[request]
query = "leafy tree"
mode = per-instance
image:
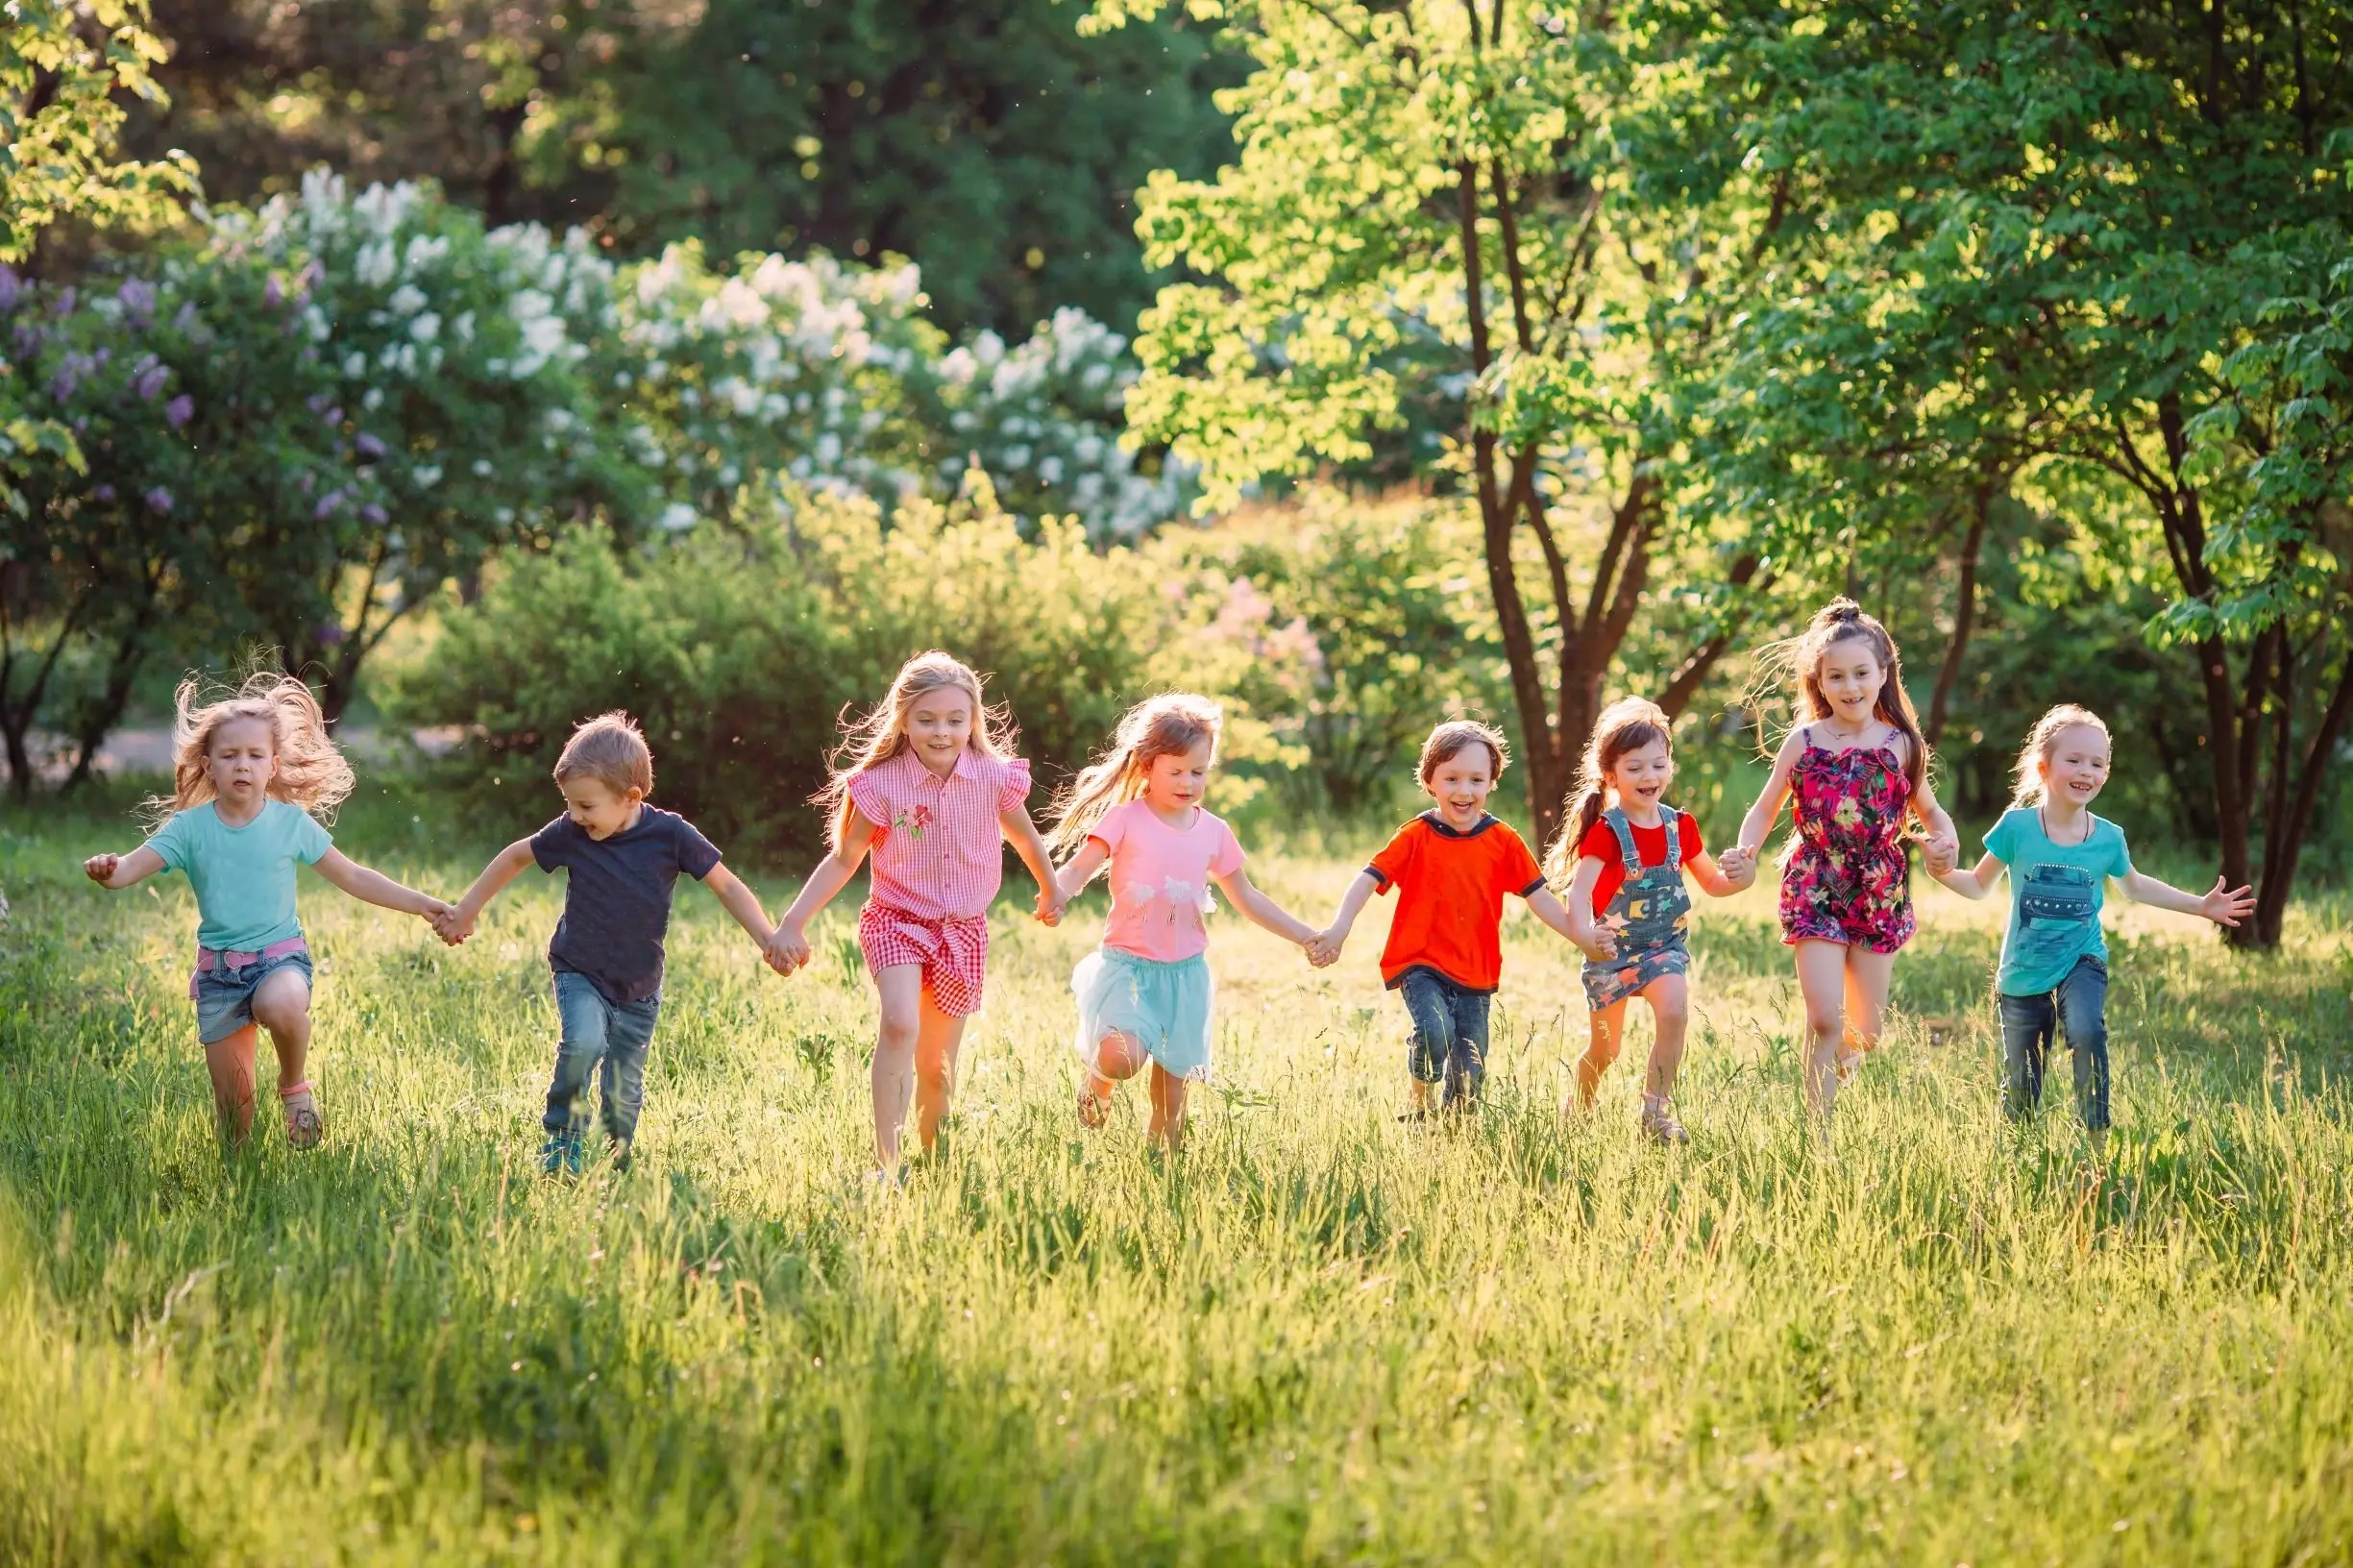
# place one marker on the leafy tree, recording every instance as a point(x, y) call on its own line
point(1435, 199)
point(62, 66)
point(2100, 213)
point(985, 139)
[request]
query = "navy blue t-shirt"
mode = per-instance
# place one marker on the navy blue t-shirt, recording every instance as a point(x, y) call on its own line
point(617, 899)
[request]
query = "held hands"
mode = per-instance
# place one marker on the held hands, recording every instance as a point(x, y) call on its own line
point(1050, 905)
point(1323, 948)
point(2227, 906)
point(1599, 942)
point(1943, 851)
point(1738, 864)
point(450, 921)
point(787, 950)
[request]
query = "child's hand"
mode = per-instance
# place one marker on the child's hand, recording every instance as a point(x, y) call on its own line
point(1738, 864)
point(2227, 906)
point(1050, 906)
point(450, 923)
point(1942, 855)
point(787, 950)
point(100, 869)
point(1599, 944)
point(1323, 950)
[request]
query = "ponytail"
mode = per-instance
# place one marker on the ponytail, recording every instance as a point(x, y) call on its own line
point(1628, 725)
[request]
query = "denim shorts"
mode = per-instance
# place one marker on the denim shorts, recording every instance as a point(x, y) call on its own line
point(225, 997)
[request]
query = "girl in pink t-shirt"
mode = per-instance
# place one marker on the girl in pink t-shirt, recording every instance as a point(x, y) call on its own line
point(933, 790)
point(1147, 996)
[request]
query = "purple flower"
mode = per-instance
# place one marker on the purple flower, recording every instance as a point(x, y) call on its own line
point(104, 492)
point(11, 286)
point(137, 298)
point(64, 305)
point(312, 275)
point(158, 499)
point(375, 514)
point(62, 385)
point(327, 503)
point(151, 383)
point(368, 446)
point(333, 417)
point(305, 483)
point(185, 317)
point(271, 294)
point(316, 402)
point(178, 410)
point(328, 632)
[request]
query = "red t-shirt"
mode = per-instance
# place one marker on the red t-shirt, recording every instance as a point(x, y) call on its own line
point(1650, 842)
point(1451, 888)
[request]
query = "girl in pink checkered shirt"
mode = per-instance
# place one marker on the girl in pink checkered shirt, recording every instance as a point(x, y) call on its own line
point(932, 789)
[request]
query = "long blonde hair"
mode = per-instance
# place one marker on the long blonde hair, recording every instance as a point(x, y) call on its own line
point(882, 734)
point(1798, 660)
point(1168, 725)
point(1628, 725)
point(312, 773)
point(2027, 786)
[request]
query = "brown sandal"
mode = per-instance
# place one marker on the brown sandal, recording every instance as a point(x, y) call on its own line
point(304, 1129)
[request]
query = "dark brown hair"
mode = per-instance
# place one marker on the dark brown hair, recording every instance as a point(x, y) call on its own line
point(1840, 621)
point(1628, 725)
point(1459, 735)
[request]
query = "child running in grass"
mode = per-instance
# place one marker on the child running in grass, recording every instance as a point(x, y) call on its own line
point(254, 776)
point(2054, 962)
point(1452, 866)
point(931, 787)
point(621, 858)
point(1624, 850)
point(1858, 767)
point(1146, 996)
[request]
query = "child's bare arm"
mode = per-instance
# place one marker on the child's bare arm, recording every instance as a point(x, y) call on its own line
point(371, 887)
point(741, 902)
point(788, 946)
point(1593, 940)
point(1080, 868)
point(1975, 882)
point(123, 870)
point(1717, 882)
point(504, 867)
point(1027, 842)
point(1360, 889)
point(1943, 843)
point(1759, 820)
point(1547, 908)
point(2222, 904)
point(1263, 911)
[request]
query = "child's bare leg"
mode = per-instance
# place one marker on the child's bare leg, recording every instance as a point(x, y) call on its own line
point(1868, 974)
point(938, 1038)
point(1167, 1109)
point(1670, 999)
point(899, 989)
point(1118, 1056)
point(230, 1060)
point(1608, 1026)
point(1822, 979)
point(281, 1005)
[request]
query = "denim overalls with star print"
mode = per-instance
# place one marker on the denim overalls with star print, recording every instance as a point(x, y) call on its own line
point(1648, 917)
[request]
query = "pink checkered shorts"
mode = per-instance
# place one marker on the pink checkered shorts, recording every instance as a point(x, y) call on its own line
point(954, 952)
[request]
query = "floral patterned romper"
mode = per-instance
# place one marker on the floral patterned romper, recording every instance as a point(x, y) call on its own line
point(1848, 879)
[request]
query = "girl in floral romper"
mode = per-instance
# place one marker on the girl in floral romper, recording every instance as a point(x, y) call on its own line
point(1857, 766)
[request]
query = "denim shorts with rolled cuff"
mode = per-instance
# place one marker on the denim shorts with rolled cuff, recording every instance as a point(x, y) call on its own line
point(224, 996)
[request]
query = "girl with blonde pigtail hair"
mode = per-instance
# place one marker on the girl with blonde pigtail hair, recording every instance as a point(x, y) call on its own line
point(254, 778)
point(928, 783)
point(1857, 766)
point(1146, 996)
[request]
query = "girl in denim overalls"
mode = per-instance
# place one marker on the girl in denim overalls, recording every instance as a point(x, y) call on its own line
point(1628, 905)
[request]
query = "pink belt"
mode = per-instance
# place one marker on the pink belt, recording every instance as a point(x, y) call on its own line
point(207, 958)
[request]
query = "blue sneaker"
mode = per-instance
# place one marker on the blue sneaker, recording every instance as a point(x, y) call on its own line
point(560, 1155)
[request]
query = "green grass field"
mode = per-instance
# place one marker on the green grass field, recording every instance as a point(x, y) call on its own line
point(1318, 1334)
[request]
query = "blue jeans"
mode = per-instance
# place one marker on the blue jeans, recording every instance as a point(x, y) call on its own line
point(597, 1034)
point(2079, 1007)
point(1449, 1032)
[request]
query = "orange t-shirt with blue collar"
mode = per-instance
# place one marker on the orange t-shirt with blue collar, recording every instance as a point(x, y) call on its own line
point(1451, 885)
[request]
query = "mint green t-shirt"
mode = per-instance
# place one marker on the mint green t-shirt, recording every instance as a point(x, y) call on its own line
point(243, 876)
point(2056, 893)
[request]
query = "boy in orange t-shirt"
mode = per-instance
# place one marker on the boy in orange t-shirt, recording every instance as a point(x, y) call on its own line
point(1453, 865)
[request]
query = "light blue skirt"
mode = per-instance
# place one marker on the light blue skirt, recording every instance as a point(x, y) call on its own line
point(1164, 1007)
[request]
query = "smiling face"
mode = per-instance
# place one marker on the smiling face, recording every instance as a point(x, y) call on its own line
point(939, 726)
point(2074, 767)
point(1175, 781)
point(1640, 777)
point(596, 807)
point(241, 759)
point(1849, 676)
point(1460, 785)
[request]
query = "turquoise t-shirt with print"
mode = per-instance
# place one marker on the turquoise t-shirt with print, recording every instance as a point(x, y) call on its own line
point(2056, 893)
point(243, 876)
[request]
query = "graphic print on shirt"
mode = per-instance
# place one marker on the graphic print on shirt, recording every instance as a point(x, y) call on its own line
point(1180, 904)
point(2053, 902)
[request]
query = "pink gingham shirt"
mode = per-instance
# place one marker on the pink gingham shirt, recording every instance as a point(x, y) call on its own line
point(939, 854)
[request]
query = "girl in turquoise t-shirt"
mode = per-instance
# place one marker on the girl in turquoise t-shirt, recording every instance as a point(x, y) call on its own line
point(2054, 965)
point(251, 776)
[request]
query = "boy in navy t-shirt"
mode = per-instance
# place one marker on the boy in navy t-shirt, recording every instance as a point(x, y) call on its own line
point(622, 857)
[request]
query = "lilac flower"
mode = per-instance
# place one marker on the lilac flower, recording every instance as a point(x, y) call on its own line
point(271, 294)
point(333, 417)
point(178, 410)
point(151, 381)
point(375, 514)
point(11, 286)
point(312, 275)
point(185, 317)
point(158, 499)
point(104, 492)
point(328, 632)
point(316, 402)
point(370, 447)
point(303, 483)
point(62, 385)
point(327, 503)
point(137, 298)
point(65, 305)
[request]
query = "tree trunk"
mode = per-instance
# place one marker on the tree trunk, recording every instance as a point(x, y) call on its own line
point(1964, 616)
point(2291, 817)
